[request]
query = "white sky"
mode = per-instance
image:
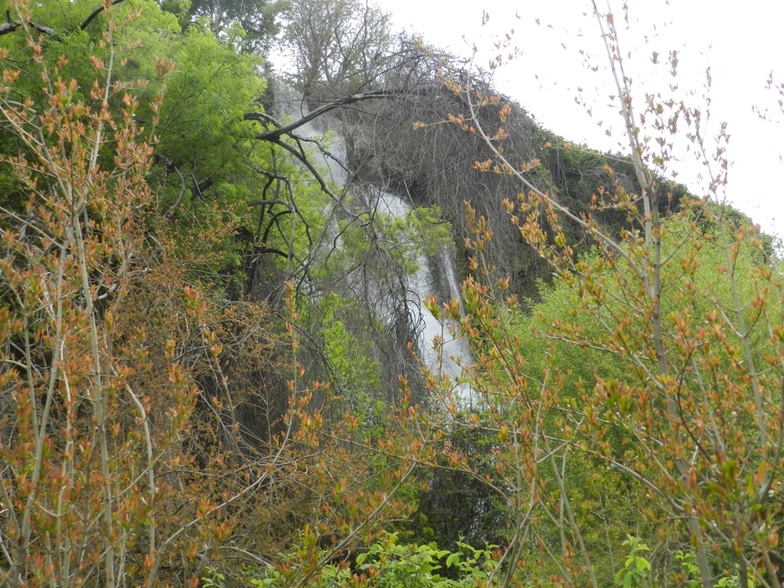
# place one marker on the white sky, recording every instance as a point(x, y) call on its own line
point(741, 42)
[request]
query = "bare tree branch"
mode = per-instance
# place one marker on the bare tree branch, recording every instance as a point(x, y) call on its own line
point(95, 13)
point(343, 101)
point(12, 25)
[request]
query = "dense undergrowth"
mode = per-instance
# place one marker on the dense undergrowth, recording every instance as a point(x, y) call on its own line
point(210, 374)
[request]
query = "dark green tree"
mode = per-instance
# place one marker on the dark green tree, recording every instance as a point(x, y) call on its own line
point(258, 19)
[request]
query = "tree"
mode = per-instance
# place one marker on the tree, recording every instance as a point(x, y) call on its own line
point(257, 18)
point(339, 46)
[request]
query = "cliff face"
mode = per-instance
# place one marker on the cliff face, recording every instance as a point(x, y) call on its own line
point(422, 144)
point(395, 168)
point(415, 138)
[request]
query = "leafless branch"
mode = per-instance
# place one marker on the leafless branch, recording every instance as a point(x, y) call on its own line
point(12, 25)
point(95, 13)
point(289, 128)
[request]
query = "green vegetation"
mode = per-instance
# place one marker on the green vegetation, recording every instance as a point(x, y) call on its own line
point(212, 370)
point(389, 564)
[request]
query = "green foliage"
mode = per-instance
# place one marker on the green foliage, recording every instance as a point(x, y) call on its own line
point(205, 159)
point(257, 19)
point(643, 387)
point(389, 564)
point(565, 337)
point(204, 154)
point(353, 372)
point(420, 232)
point(212, 579)
point(404, 239)
point(636, 568)
point(689, 575)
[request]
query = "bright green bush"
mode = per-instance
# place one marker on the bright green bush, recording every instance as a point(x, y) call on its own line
point(389, 564)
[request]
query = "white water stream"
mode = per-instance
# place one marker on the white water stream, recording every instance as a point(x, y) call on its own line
point(454, 353)
point(325, 130)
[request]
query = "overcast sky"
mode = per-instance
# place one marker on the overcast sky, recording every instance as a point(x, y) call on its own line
point(740, 41)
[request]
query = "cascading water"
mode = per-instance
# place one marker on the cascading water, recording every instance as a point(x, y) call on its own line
point(325, 131)
point(453, 353)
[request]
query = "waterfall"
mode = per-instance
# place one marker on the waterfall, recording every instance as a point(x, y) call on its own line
point(326, 130)
point(454, 352)
point(331, 162)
